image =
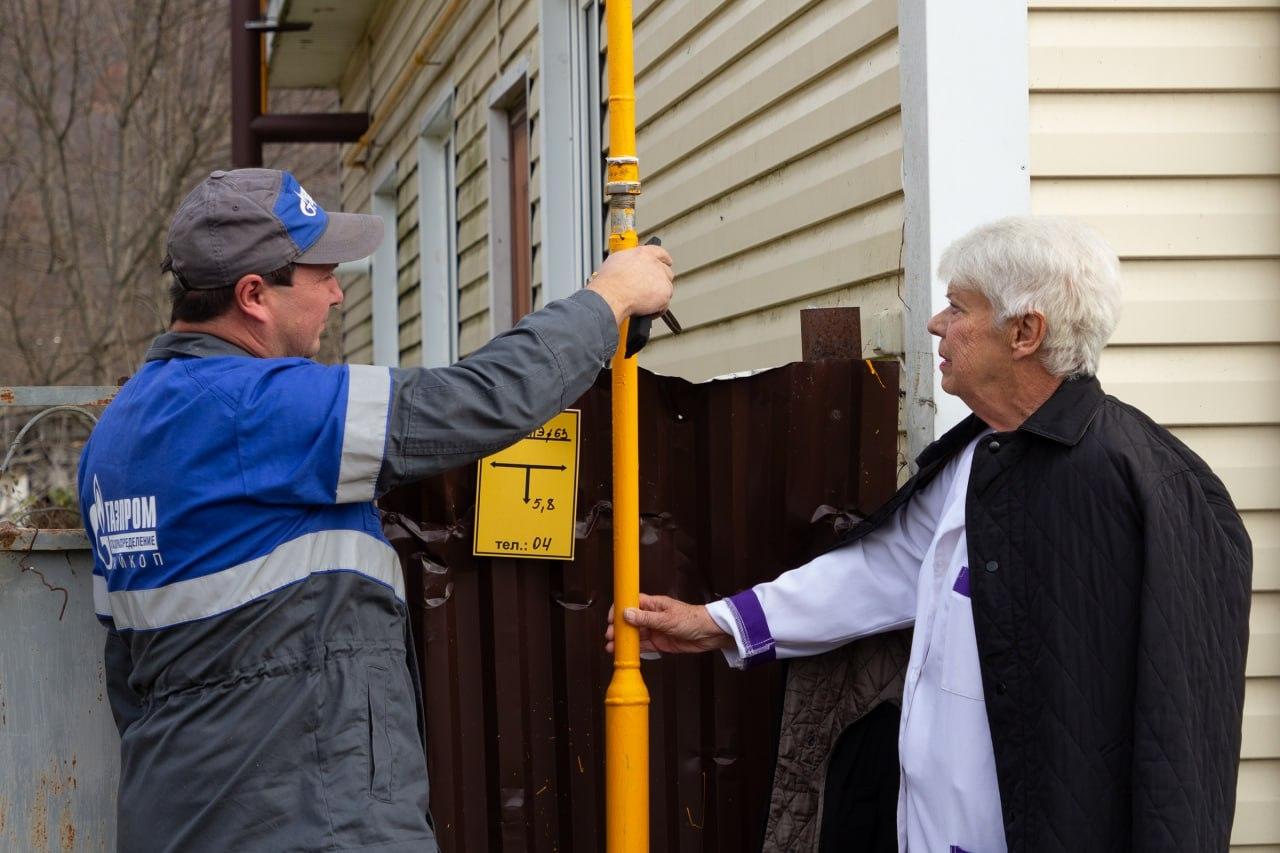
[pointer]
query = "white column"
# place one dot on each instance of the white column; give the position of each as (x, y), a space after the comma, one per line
(965, 162)
(437, 225)
(385, 285)
(570, 151)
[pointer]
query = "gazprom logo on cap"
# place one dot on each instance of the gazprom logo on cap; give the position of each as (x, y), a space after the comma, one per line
(301, 216)
(306, 204)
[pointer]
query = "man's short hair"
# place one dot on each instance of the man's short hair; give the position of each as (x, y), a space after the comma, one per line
(1058, 267)
(192, 305)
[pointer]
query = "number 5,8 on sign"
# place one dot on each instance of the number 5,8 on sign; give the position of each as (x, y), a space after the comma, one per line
(526, 495)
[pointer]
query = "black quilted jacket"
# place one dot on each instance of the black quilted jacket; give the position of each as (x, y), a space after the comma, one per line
(1111, 603)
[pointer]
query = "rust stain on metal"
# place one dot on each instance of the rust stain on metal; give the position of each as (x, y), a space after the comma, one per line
(66, 830)
(54, 788)
(38, 819)
(9, 533)
(6, 395)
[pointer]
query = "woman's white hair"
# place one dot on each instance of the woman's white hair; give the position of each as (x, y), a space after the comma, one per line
(1060, 268)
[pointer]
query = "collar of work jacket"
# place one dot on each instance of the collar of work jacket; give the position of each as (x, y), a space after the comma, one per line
(191, 345)
(1064, 418)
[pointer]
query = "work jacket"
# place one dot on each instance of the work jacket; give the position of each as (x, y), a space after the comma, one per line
(1110, 589)
(257, 660)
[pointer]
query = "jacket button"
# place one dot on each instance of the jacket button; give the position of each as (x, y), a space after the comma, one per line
(993, 446)
(1002, 688)
(992, 565)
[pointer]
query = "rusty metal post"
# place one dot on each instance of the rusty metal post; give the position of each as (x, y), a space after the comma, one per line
(830, 333)
(836, 333)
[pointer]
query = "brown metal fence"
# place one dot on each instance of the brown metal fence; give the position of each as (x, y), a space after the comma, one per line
(741, 479)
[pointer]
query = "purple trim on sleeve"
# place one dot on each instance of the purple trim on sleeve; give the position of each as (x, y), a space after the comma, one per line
(962, 582)
(752, 627)
(954, 847)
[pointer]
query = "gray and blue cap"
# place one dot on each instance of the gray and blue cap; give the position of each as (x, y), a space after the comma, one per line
(257, 221)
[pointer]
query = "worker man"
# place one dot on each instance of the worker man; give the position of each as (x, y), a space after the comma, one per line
(257, 658)
(1078, 581)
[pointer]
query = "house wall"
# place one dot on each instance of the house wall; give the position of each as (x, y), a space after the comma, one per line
(770, 147)
(486, 40)
(1159, 124)
(770, 144)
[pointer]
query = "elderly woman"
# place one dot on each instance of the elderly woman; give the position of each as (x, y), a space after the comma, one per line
(1077, 579)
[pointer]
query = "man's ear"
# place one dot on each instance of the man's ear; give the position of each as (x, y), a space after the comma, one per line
(1027, 334)
(250, 298)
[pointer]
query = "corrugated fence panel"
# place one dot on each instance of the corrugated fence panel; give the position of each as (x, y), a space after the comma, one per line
(1159, 123)
(735, 477)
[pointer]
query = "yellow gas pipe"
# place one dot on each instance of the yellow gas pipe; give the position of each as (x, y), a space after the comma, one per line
(627, 699)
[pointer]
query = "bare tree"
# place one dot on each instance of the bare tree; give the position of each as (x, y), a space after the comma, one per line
(118, 109)
(110, 112)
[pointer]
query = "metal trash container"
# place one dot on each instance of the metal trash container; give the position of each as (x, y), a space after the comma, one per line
(59, 749)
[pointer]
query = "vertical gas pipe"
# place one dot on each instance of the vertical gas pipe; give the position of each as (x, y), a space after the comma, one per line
(627, 699)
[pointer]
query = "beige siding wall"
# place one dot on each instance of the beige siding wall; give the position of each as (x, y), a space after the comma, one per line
(1159, 123)
(770, 149)
(484, 41)
(770, 146)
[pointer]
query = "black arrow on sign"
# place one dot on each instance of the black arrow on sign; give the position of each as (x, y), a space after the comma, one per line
(528, 471)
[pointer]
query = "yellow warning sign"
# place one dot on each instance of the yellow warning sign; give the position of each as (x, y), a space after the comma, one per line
(526, 495)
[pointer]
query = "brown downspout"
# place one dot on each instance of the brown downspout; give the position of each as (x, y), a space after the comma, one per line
(263, 71)
(246, 85)
(250, 126)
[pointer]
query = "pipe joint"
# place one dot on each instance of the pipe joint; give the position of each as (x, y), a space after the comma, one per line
(622, 177)
(614, 188)
(622, 216)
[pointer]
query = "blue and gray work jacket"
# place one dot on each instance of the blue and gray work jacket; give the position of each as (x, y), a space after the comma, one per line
(257, 660)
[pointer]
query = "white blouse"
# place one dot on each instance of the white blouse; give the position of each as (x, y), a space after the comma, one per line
(911, 571)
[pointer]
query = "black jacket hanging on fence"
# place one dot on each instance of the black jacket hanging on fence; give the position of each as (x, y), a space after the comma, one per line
(1111, 610)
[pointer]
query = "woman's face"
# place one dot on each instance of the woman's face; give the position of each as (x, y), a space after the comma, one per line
(977, 356)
